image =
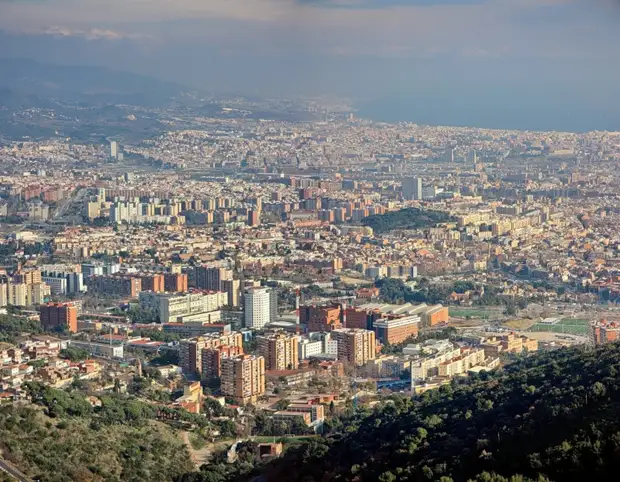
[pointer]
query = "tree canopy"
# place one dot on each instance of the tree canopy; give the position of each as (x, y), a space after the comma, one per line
(551, 416)
(409, 218)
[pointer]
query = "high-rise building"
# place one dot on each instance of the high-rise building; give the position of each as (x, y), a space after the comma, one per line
(257, 306)
(253, 217)
(211, 278)
(152, 282)
(58, 315)
(212, 359)
(232, 287)
(355, 346)
(412, 189)
(175, 282)
(243, 378)
(273, 305)
(113, 149)
(280, 350)
(191, 350)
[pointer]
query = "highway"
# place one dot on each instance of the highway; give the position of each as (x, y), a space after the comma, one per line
(12, 471)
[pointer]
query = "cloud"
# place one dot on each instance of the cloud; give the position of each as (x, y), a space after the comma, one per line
(93, 34)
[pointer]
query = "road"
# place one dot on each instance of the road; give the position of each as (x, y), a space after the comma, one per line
(12, 471)
(80, 197)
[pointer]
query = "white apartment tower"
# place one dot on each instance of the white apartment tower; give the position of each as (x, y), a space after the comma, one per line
(257, 306)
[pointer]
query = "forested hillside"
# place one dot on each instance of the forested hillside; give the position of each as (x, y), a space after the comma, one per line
(553, 416)
(65, 439)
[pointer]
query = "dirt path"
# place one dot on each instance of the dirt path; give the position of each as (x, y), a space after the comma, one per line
(199, 457)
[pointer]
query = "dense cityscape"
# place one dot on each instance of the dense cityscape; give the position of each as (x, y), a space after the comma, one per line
(251, 284)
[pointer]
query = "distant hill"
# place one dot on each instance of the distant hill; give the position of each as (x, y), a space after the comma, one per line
(94, 85)
(553, 416)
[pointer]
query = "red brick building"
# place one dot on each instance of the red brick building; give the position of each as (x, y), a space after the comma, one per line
(57, 315)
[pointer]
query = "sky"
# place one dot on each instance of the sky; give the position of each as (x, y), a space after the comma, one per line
(493, 63)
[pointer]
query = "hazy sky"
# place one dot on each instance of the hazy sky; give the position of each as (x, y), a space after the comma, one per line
(451, 61)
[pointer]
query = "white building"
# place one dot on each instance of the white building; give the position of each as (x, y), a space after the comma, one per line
(100, 349)
(308, 349)
(172, 308)
(113, 149)
(257, 305)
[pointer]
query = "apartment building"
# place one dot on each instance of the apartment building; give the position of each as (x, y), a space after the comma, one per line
(355, 346)
(59, 315)
(605, 331)
(233, 288)
(467, 359)
(280, 350)
(510, 343)
(212, 359)
(211, 277)
(321, 318)
(243, 378)
(257, 304)
(120, 285)
(175, 282)
(23, 294)
(152, 282)
(190, 351)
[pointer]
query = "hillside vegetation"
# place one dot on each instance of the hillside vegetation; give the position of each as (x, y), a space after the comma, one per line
(66, 440)
(410, 218)
(552, 416)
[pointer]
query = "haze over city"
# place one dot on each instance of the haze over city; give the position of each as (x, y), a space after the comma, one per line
(537, 64)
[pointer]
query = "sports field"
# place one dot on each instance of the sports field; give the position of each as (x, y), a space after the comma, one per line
(571, 326)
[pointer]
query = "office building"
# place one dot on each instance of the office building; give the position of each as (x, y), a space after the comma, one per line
(257, 305)
(198, 328)
(182, 307)
(64, 282)
(355, 346)
(243, 378)
(396, 329)
(412, 189)
(58, 315)
(58, 286)
(280, 350)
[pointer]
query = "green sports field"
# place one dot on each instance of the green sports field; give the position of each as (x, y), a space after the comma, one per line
(570, 326)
